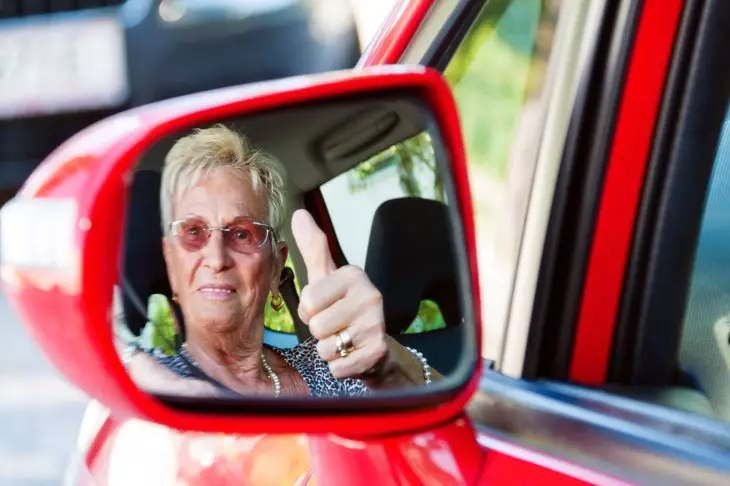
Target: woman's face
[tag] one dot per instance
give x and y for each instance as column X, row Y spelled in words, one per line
column 216, row 286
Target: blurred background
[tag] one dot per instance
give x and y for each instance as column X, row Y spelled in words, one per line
column 65, row 64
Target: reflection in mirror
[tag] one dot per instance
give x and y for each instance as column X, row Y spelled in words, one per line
column 306, row 252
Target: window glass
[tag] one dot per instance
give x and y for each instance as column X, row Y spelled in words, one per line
column 407, row 169
column 498, row 78
column 705, row 347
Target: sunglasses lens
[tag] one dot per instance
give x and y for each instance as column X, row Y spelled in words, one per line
column 192, row 234
column 243, row 236
column 246, row 236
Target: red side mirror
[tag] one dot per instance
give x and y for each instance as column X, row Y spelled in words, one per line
column 62, row 237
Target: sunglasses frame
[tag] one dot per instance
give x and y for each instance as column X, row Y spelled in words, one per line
column 270, row 233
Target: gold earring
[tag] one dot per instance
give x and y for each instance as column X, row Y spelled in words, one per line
column 277, row 302
column 174, row 297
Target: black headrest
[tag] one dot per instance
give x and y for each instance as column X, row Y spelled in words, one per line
column 143, row 265
column 411, row 258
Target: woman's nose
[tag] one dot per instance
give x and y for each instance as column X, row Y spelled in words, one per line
column 215, row 254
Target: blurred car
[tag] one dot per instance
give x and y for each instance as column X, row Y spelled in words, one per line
column 65, row 64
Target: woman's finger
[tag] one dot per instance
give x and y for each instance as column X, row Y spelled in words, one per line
column 327, row 347
column 319, row 295
column 359, row 361
column 337, row 316
column 313, row 246
column 365, row 327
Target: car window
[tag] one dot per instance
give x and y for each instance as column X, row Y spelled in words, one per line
column 705, row 345
column 406, row 169
column 498, row 77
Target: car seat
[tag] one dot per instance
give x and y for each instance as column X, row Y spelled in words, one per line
column 143, row 265
column 411, row 258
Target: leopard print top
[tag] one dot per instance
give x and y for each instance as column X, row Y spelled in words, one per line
column 303, row 358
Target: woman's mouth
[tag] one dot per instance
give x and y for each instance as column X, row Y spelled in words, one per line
column 217, row 292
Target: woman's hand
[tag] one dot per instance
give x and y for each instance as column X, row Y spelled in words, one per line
column 345, row 300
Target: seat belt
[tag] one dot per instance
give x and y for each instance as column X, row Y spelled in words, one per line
column 291, row 299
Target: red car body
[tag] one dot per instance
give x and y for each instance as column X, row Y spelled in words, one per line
column 410, row 450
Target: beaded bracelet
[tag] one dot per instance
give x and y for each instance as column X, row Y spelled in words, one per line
column 424, row 364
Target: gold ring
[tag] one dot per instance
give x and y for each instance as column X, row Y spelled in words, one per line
column 344, row 343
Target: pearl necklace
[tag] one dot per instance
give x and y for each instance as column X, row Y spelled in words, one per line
column 274, row 377
column 269, row 371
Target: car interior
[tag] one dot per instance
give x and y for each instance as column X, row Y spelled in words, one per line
column 411, row 253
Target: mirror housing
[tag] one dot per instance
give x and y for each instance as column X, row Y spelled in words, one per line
column 58, row 232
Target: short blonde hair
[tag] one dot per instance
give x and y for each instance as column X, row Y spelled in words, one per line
column 219, row 147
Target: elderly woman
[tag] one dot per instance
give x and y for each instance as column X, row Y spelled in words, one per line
column 223, row 206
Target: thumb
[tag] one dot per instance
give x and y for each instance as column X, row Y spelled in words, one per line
column 312, row 243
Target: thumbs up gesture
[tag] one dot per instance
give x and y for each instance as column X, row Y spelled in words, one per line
column 341, row 306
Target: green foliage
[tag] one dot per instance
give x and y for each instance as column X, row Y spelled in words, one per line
column 428, row 318
column 160, row 331
column 360, row 174
column 490, row 76
column 410, row 157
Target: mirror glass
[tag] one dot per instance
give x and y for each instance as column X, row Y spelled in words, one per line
column 313, row 251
